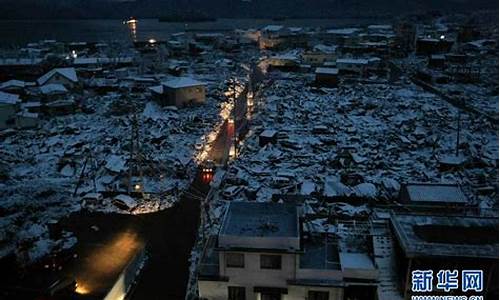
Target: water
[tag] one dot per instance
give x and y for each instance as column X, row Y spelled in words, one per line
column 20, row 32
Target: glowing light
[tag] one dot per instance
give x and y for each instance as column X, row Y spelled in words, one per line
column 81, row 289
column 131, row 21
column 137, row 187
column 74, row 54
column 107, row 260
column 442, row 37
column 151, row 41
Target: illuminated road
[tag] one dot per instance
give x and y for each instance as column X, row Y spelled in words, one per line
column 173, row 232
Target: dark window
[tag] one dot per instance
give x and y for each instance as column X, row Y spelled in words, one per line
column 236, row 293
column 317, row 295
column 265, row 296
column 235, row 260
column 270, row 261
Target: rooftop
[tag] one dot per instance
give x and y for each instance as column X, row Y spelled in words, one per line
column 435, row 192
column 69, row 73
column 250, row 219
column 445, row 236
column 330, row 71
column 182, row 82
column 6, row 98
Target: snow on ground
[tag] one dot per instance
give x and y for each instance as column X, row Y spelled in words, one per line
column 42, row 167
column 377, row 137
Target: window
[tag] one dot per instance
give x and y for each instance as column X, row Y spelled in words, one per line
column 270, row 261
column 235, row 260
column 317, row 295
column 235, row 293
column 265, row 296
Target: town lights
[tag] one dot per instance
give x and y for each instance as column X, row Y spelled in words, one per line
column 152, row 41
column 442, row 37
column 137, row 187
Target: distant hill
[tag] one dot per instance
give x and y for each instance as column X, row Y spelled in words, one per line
column 76, row 9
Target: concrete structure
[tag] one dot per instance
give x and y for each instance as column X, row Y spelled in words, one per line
column 180, row 92
column 327, row 76
column 260, row 254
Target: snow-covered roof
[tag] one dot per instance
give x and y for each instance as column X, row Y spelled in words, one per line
column 428, row 192
column 12, row 83
column 350, row 260
column 6, row 98
column 68, row 73
column 325, row 49
column 268, row 133
column 343, row 31
column 249, row 219
column 127, row 200
column 354, row 61
column 157, row 89
column 27, row 114
column 329, row 71
column 182, row 82
column 380, row 27
column 272, row 28
column 52, row 88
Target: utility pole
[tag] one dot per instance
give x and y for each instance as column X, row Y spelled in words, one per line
column 135, row 157
column 458, row 132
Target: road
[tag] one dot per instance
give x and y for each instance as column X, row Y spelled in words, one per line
column 171, row 234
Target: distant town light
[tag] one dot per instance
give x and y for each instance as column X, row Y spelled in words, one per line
column 137, row 187
column 442, row 37
column 74, row 54
column 152, row 41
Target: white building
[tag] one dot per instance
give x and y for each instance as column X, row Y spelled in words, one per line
column 181, row 92
column 260, row 253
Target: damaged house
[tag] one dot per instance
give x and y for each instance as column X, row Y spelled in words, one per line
column 179, row 92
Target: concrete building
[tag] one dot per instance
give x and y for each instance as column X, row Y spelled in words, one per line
column 180, row 92
column 261, row 253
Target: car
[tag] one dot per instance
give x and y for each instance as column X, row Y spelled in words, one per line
column 208, row 166
column 231, row 191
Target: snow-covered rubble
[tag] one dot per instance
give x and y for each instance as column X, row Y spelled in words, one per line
column 378, row 137
column 41, row 168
